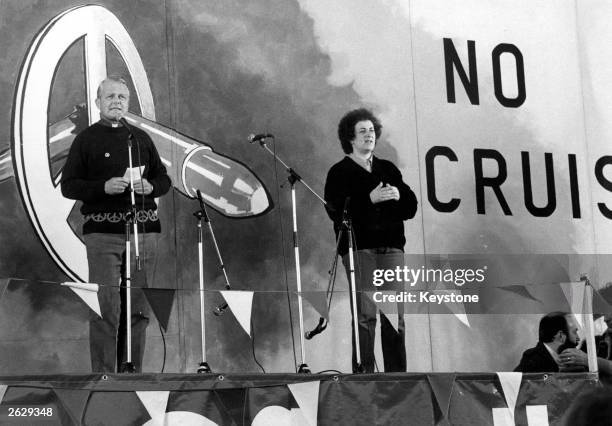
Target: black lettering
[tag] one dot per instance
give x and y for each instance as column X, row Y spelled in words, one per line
column 605, row 183
column 520, row 75
column 443, row 151
column 493, row 182
column 574, row 188
column 452, row 61
column 551, row 203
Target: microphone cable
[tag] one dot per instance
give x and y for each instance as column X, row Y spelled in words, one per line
column 144, row 250
column 328, row 371
column 331, row 284
column 163, row 336
column 253, row 346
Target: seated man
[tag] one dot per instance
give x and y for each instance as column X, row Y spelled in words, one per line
column 557, row 332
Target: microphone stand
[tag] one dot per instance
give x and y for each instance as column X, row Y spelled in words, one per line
column 348, row 227
column 202, row 214
column 293, row 178
column 130, row 219
column 132, row 198
column 322, row 325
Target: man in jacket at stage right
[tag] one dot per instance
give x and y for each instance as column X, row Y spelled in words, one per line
column 557, row 331
column 377, row 201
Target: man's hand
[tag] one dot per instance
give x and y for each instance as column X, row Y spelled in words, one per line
column 142, row 186
column 384, row 193
column 115, row 185
column 574, row 356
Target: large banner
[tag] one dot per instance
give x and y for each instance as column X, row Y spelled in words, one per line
column 495, row 112
column 501, row 399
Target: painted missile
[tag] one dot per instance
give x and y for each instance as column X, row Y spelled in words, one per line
column 226, row 184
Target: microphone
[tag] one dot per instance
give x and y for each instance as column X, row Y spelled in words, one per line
column 322, row 325
column 123, row 121
column 125, row 124
column 345, row 210
column 257, row 138
column 347, row 202
column 220, row 309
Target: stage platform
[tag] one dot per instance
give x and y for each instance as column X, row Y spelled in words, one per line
column 291, row 399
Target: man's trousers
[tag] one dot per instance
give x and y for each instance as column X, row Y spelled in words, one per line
column 106, row 259
column 393, row 346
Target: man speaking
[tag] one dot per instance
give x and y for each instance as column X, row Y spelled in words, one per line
column 378, row 201
column 97, row 173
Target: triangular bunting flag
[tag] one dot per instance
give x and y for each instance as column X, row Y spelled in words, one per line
column 457, row 308
column 551, row 297
column 318, row 300
column 463, row 318
column 240, row 303
column 574, row 293
column 231, row 403
column 521, row 290
column 161, row 301
column 88, row 292
column 510, row 383
column 578, row 307
column 442, row 387
column 74, row 402
column 155, row 402
column 600, row 304
column 307, row 396
column 391, row 319
column 606, row 292
column 3, row 389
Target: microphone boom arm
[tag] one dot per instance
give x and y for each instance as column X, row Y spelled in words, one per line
column 293, row 176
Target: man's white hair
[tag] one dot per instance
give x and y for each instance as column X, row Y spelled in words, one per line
column 115, row 78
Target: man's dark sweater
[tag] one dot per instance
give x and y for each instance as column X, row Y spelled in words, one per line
column 99, row 153
column 374, row 225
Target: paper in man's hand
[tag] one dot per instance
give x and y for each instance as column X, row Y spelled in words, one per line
column 136, row 173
